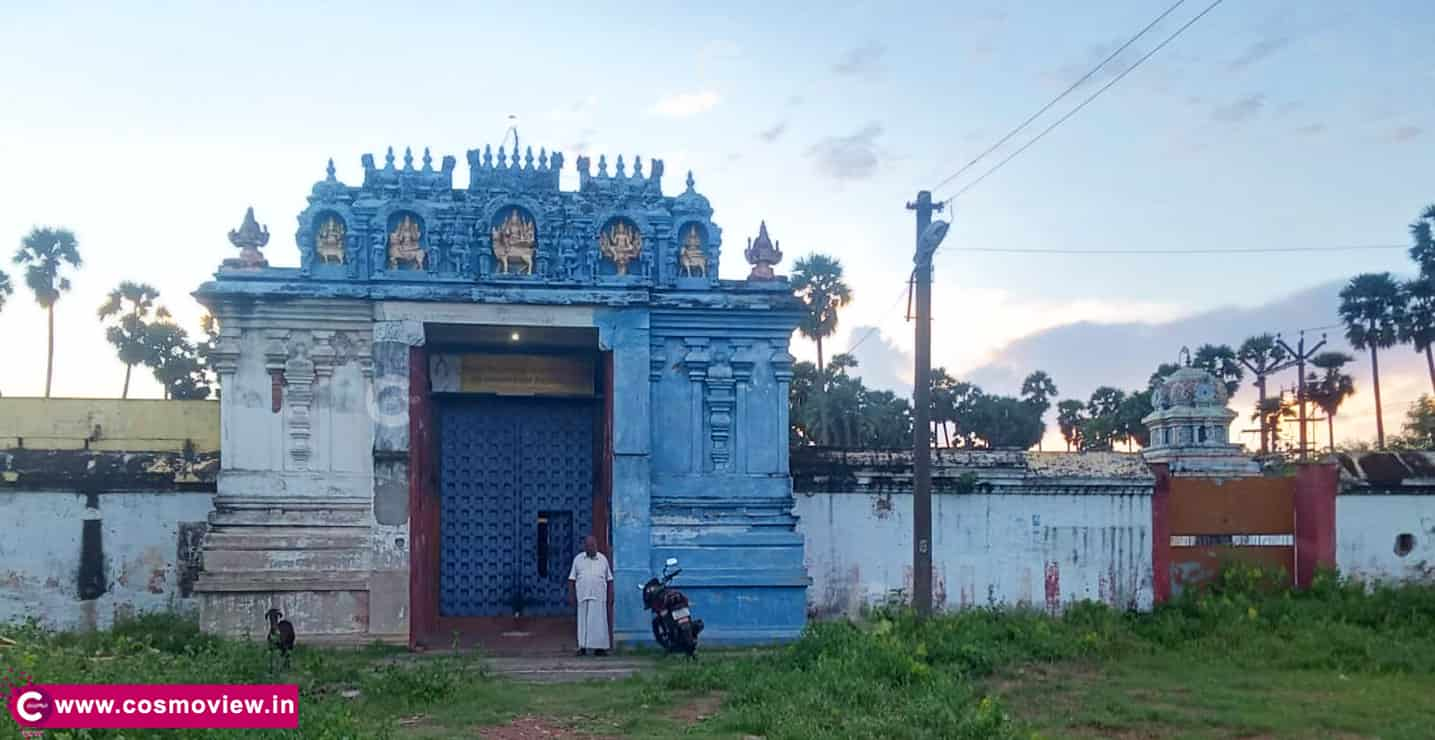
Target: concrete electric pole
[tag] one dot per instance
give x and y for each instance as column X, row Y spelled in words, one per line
column 1300, row 356
column 929, row 237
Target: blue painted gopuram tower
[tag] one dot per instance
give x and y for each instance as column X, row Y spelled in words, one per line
column 423, row 420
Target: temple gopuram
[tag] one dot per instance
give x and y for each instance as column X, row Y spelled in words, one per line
column 422, row 421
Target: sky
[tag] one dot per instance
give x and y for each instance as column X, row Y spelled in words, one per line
column 148, row 128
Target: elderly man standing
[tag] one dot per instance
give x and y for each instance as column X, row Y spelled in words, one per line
column 590, row 588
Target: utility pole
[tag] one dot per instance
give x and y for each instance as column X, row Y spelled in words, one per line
column 928, row 238
column 1300, row 357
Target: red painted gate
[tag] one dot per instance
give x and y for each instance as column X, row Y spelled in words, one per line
column 1284, row 523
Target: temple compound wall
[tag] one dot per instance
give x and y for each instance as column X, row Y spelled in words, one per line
column 1008, row 528
column 422, row 421
column 103, row 506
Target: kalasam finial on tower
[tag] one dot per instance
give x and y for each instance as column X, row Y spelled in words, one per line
column 250, row 237
column 762, row 253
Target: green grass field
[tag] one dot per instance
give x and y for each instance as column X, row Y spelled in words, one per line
column 1244, row 660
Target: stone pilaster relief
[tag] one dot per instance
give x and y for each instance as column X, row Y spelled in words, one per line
column 695, row 362
column 744, row 361
column 721, row 399
column 781, row 363
column 299, row 378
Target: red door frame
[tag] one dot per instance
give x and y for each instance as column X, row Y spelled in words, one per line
column 423, row 505
column 603, row 487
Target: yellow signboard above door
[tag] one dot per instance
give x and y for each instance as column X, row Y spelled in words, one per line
column 527, row 375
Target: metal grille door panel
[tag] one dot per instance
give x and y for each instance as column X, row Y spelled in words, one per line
column 508, row 465
column 557, row 466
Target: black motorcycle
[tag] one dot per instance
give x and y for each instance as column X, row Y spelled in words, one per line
column 673, row 625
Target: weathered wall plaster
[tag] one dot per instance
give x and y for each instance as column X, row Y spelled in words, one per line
column 1368, row 536
column 1042, row 551
column 1009, row 528
column 139, row 558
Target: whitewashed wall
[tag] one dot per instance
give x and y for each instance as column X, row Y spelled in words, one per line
column 988, row 549
column 40, row 552
column 1366, row 529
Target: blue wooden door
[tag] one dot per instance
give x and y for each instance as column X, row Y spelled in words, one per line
column 516, row 498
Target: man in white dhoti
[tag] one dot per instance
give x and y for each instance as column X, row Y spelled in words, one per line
column 590, row 588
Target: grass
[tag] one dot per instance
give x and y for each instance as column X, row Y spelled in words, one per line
column 1244, row 659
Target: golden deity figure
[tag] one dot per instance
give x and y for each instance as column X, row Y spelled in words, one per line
column 404, row 245
column 622, row 244
column 514, row 241
column 329, row 244
column 693, row 258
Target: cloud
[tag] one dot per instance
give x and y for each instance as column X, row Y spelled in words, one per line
column 1311, row 129
column 772, row 134
column 881, row 362
column 1083, row 355
column 1239, row 111
column 1289, row 107
column 861, row 61
column 1258, row 51
column 851, row 157
column 686, row 104
column 795, row 99
column 1405, row 133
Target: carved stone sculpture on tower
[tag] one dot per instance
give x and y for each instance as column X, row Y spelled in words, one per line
column 621, row 243
column 762, row 253
column 514, row 240
column 329, row 243
column 693, row 259
column 404, row 245
column 250, row 237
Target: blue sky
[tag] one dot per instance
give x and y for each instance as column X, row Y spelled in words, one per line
column 149, row 129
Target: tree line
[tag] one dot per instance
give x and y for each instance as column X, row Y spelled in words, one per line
column 831, row 407
column 1380, row 312
column 141, row 331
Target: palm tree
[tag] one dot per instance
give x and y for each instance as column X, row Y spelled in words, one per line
column 1417, row 327
column 44, row 253
column 1262, row 355
column 1332, row 387
column 1423, row 251
column 1036, row 390
column 1069, row 415
column 1371, row 307
column 1220, row 361
column 5, row 288
column 817, row 279
column 132, row 303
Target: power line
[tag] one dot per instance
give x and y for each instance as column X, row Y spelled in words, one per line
column 875, row 327
column 1060, row 97
column 1087, row 101
column 1183, row 252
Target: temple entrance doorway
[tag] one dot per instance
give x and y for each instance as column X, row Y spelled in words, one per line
column 518, row 460
column 516, row 498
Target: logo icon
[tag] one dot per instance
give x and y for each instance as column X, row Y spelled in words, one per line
column 31, row 706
